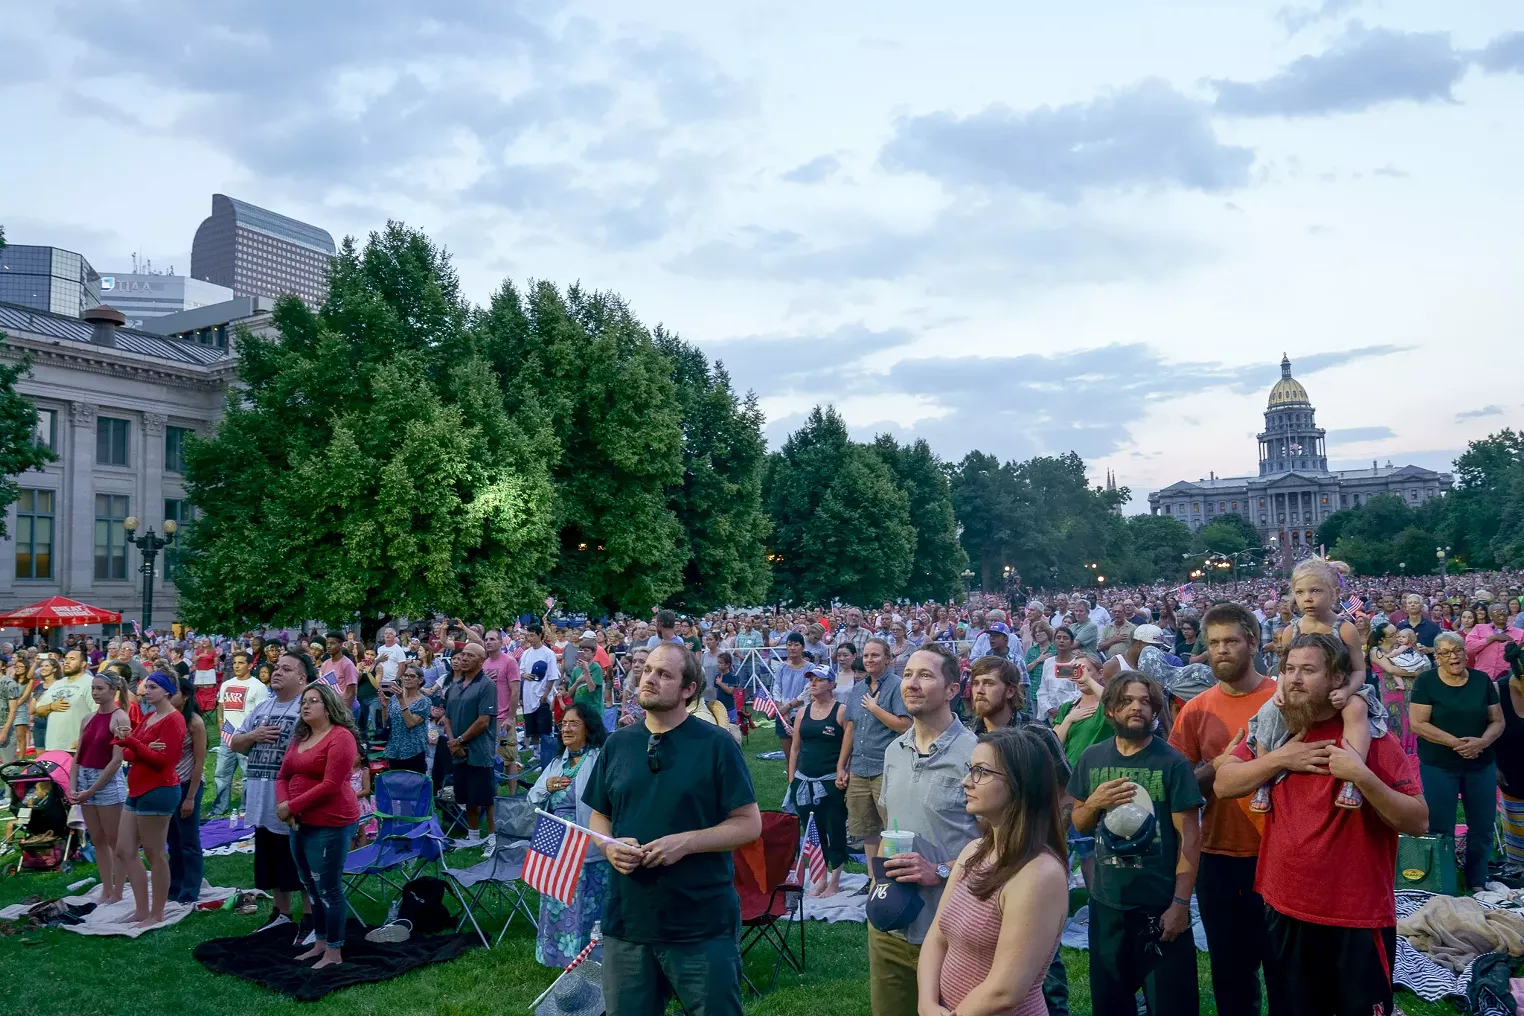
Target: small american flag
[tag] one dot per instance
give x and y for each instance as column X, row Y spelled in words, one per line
column 1351, row 604
column 768, row 706
column 811, row 855
column 553, row 864
column 227, row 733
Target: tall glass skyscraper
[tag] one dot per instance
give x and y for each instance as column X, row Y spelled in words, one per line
column 47, row 278
column 257, row 252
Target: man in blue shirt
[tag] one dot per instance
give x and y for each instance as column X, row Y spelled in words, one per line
column 1425, row 628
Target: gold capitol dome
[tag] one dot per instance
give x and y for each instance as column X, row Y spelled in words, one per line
column 1288, row 391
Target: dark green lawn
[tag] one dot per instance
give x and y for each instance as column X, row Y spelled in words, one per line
column 56, row 973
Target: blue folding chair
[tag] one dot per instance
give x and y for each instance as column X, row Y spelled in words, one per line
column 408, row 838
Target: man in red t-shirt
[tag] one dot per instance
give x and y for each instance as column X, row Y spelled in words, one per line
column 1205, row 731
column 1326, row 873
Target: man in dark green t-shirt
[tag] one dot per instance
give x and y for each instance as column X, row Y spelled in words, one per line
column 1140, row 913
column 673, row 798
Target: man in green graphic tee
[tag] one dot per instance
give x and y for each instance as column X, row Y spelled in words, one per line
column 1140, row 798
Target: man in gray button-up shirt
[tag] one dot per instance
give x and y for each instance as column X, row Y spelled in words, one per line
column 922, row 793
column 878, row 716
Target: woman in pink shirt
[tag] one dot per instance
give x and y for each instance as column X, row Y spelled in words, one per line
column 1486, row 643
column 1006, row 901
column 314, row 796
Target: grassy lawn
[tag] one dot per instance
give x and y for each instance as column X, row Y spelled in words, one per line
column 57, row 973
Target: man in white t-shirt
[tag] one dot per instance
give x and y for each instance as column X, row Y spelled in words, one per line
column 537, row 686
column 390, row 655
column 237, row 697
column 67, row 704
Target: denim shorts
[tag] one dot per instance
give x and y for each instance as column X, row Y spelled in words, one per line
column 160, row 802
column 114, row 792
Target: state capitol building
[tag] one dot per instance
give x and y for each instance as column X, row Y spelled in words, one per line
column 1295, row 490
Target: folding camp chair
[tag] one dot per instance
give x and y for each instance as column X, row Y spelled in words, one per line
column 766, row 910
column 408, row 837
column 500, row 874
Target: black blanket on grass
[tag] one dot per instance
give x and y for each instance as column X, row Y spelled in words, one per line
column 266, row 958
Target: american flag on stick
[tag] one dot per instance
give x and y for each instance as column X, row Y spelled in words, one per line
column 227, row 733
column 1351, row 605
column 553, row 863
column 772, row 710
column 811, row 857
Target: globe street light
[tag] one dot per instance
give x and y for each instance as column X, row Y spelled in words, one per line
column 1441, row 553
column 150, row 544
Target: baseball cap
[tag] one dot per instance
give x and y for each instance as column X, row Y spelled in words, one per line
column 999, row 628
column 892, row 906
column 1149, row 634
column 819, row 672
column 538, row 669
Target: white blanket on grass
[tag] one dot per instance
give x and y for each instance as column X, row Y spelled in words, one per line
column 116, row 918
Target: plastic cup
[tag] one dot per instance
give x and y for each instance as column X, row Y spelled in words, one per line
column 897, row 841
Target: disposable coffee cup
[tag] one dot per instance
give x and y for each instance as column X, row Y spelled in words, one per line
column 898, row 841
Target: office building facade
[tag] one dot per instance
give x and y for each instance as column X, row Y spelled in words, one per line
column 48, row 279
column 116, row 405
column 257, row 252
column 142, row 296
column 1294, row 490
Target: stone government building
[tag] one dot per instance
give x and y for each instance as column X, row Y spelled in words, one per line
column 1295, row 490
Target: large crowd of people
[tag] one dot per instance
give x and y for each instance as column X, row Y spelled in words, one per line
column 1165, row 742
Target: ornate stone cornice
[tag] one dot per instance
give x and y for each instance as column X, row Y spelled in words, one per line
column 153, row 424
column 86, row 358
column 82, row 414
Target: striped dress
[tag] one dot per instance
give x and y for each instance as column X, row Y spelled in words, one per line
column 972, row 927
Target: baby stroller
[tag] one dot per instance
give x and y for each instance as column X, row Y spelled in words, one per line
column 39, row 825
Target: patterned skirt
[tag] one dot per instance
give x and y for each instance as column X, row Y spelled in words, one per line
column 1512, row 821
column 563, row 931
column 1396, row 701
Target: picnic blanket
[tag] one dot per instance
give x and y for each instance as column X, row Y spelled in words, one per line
column 843, row 906
column 1456, row 930
column 1417, row 972
column 268, row 959
column 115, row 918
column 219, row 836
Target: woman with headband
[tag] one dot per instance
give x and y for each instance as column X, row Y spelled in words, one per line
column 153, row 795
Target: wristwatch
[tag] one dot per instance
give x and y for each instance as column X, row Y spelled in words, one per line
column 944, row 872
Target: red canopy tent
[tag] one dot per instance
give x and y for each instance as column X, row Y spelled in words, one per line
column 57, row 612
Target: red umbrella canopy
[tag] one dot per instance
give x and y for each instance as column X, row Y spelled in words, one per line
column 57, row 611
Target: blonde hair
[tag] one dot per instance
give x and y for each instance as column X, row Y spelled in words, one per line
column 1333, row 572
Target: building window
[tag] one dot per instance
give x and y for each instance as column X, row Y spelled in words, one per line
column 1413, row 495
column 110, row 536
column 34, row 535
column 1169, row 509
column 110, row 441
column 1235, row 506
column 174, row 449
column 46, row 433
column 1196, row 507
column 1222, row 506
column 1325, row 498
column 177, row 510
column 1264, row 519
column 1261, row 502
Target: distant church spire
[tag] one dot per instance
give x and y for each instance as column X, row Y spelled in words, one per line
column 1285, row 366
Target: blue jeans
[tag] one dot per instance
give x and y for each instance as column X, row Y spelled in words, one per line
column 229, row 762
column 184, row 847
column 1477, row 790
column 320, row 853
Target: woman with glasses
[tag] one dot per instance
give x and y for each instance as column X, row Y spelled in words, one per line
column 407, row 717
column 1006, row 901
column 1456, row 714
column 564, row 930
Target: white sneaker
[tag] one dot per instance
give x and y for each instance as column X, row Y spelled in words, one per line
column 490, row 843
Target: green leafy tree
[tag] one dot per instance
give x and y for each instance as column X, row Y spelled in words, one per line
column 989, row 503
column 19, row 448
column 366, row 463
column 937, row 565
column 1159, row 546
column 860, row 542
column 795, row 484
column 719, row 501
column 1486, row 514
column 585, row 369
column 1227, row 534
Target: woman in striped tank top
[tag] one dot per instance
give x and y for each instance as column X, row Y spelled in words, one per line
column 1006, row 900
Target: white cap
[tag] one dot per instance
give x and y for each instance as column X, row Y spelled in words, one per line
column 1149, row 634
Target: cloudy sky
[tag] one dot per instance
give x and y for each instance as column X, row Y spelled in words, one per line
column 1019, row 227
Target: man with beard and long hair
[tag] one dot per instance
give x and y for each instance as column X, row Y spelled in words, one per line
column 1330, row 941
column 1140, row 899
column 672, row 797
column 1208, row 727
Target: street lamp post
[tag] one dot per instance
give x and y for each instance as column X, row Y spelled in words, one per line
column 1442, row 554
column 150, row 543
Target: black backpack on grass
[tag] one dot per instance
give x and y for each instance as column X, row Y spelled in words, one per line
column 423, row 905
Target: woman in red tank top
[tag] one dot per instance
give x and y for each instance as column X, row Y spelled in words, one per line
column 1007, row 898
column 153, row 750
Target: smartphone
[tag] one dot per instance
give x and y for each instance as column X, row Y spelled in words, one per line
column 1067, row 671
